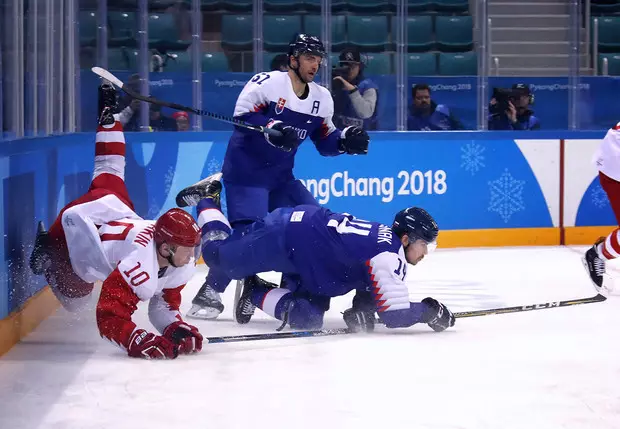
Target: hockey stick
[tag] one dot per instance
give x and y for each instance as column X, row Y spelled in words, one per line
column 342, row 331
column 543, row 306
column 105, row 74
column 278, row 335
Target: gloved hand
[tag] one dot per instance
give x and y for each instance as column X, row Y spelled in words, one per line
column 359, row 320
column 145, row 345
column 438, row 317
column 185, row 336
column 287, row 141
column 354, row 141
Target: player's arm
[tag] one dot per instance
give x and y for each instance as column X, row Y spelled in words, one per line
column 330, row 141
column 253, row 106
column 390, row 295
column 127, row 285
column 165, row 316
column 253, row 103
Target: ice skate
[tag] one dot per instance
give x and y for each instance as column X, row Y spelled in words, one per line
column 210, row 187
column 107, row 104
column 40, row 258
column 207, row 304
column 595, row 265
column 244, row 309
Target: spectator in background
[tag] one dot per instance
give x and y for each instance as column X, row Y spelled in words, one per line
column 512, row 111
column 355, row 97
column 160, row 122
column 182, row 119
column 426, row 115
column 279, row 62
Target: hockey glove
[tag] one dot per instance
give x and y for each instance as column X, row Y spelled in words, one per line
column 185, row 336
column 354, row 141
column 438, row 317
column 359, row 320
column 287, row 141
column 145, row 345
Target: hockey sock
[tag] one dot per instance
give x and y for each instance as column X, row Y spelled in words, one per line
column 273, row 301
column 110, row 150
column 610, row 248
column 211, row 220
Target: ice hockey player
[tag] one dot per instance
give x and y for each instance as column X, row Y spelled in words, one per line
column 258, row 169
column 607, row 162
column 329, row 254
column 98, row 237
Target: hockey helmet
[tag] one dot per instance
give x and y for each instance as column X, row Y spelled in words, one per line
column 306, row 44
column 178, row 227
column 416, row 223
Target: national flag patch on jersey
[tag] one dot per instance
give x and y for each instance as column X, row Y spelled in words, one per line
column 280, row 105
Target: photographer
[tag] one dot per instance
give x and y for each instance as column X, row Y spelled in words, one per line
column 355, row 97
column 426, row 115
column 509, row 109
column 279, row 62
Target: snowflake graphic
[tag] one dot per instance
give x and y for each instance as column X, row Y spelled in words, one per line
column 599, row 197
column 214, row 166
column 472, row 158
column 168, row 177
column 506, row 195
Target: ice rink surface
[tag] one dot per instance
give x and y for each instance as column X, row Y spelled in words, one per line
column 555, row 368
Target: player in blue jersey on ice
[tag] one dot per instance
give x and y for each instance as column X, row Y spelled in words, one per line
column 328, row 254
column 258, row 169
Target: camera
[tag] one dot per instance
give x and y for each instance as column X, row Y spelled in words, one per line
column 341, row 71
column 504, row 96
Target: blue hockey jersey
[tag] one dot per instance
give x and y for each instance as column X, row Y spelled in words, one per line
column 250, row 159
column 335, row 253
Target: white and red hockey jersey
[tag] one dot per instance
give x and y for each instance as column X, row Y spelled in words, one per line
column 122, row 254
column 607, row 157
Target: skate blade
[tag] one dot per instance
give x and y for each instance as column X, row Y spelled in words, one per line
column 203, row 313
column 607, row 286
column 211, row 178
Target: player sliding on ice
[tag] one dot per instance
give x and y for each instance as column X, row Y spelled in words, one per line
column 258, row 169
column 327, row 254
column 99, row 237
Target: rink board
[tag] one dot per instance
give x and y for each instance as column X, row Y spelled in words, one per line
column 484, row 189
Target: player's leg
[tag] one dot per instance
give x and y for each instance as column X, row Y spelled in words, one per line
column 300, row 310
column 50, row 255
column 606, row 248
column 245, row 204
column 291, row 194
column 109, row 171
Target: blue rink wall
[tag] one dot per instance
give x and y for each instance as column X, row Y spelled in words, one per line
column 469, row 181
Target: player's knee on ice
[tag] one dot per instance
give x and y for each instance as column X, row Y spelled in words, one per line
column 305, row 315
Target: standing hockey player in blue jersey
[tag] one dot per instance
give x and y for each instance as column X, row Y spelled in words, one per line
column 330, row 254
column 258, row 169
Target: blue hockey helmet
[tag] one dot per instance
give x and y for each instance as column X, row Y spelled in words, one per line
column 416, row 223
column 306, row 44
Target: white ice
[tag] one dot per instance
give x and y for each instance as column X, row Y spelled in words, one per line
column 554, row 368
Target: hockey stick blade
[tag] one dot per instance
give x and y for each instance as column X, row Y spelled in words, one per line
column 278, row 335
column 105, row 74
column 543, row 306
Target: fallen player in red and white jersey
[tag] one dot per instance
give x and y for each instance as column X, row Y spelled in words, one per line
column 98, row 237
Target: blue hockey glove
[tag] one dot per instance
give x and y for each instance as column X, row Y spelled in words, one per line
column 287, row 141
column 438, row 317
column 354, row 141
column 359, row 320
